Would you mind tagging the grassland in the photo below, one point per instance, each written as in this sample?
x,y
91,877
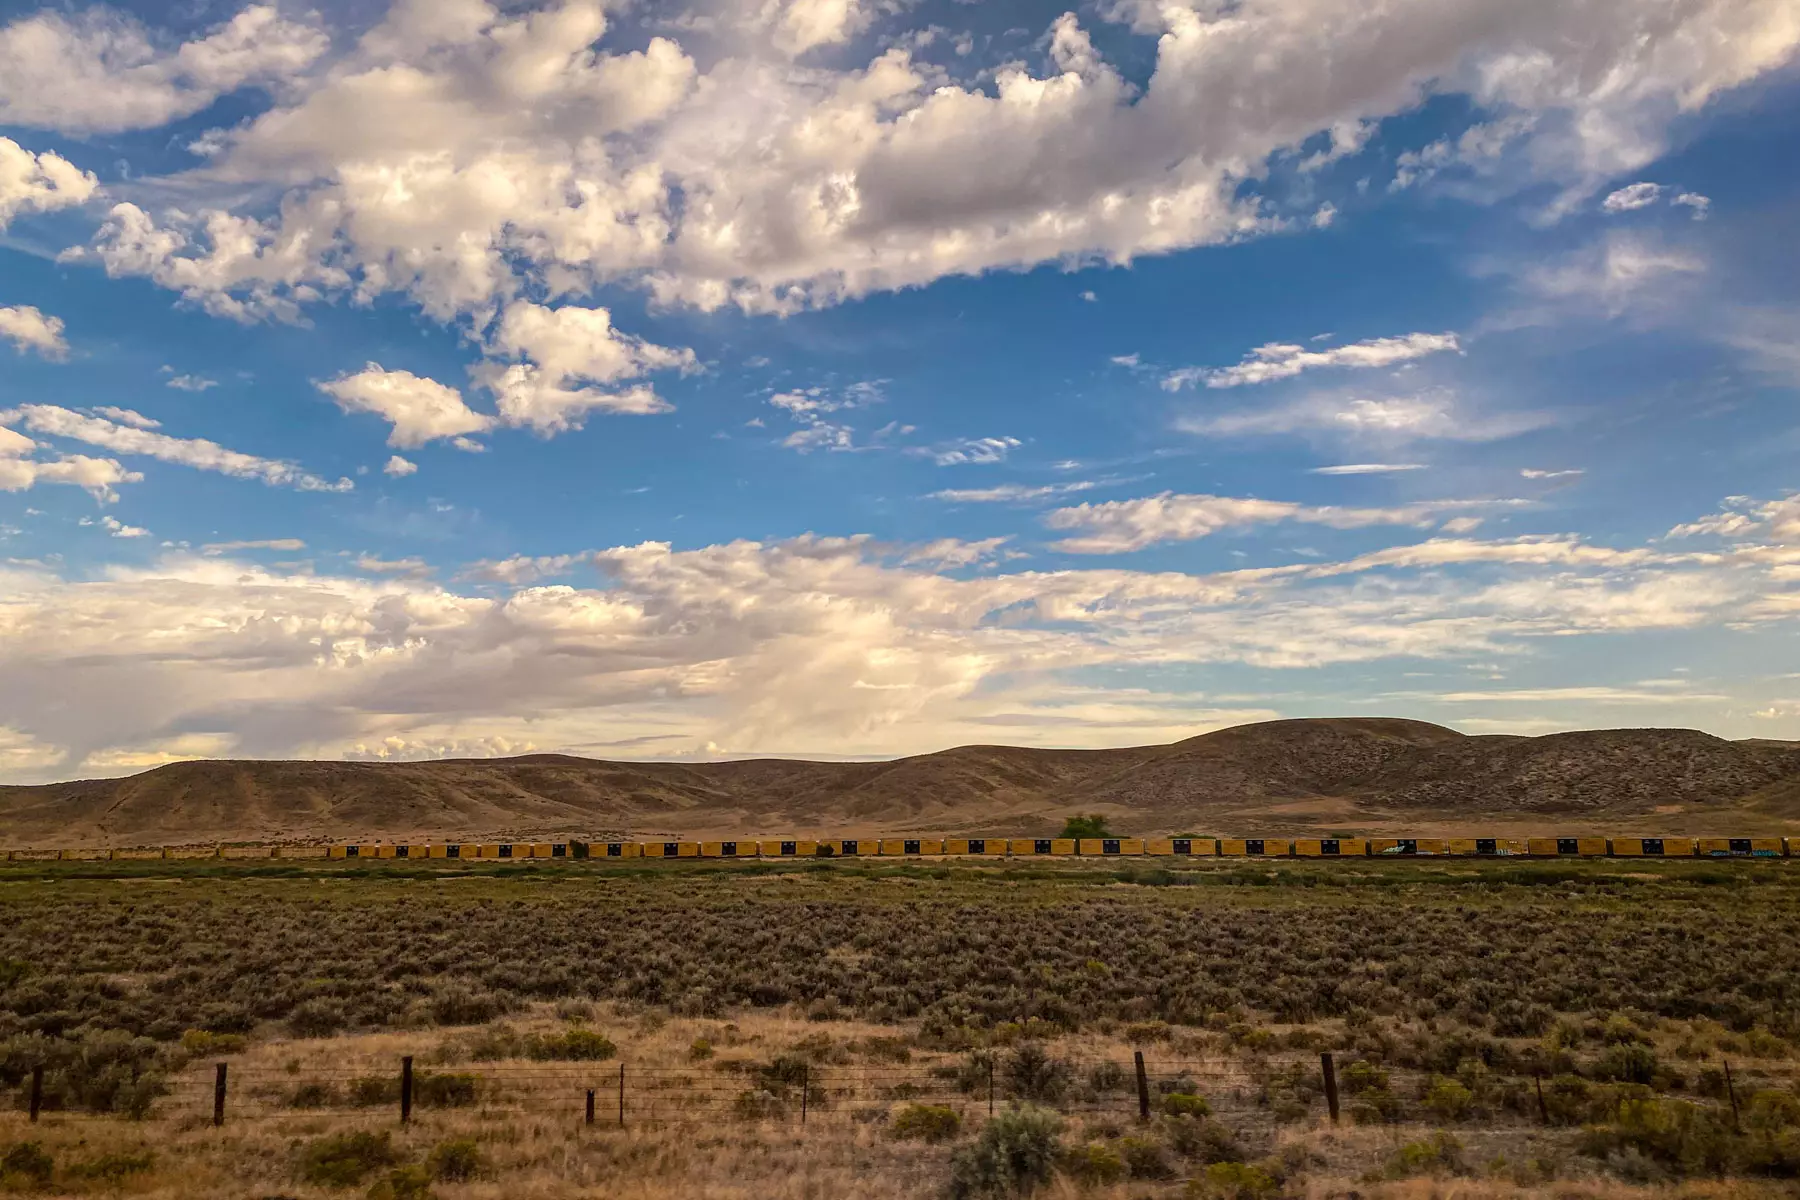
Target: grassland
x,y
1497,1028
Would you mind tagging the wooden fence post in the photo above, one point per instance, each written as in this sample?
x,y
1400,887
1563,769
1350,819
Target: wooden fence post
x,y
37,1091
219,1096
621,1095
1543,1108
590,1106
805,1087
1731,1091
406,1089
1329,1069
1143,1082
990,1066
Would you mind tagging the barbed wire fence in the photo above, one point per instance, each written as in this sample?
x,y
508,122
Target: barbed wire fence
x,y
619,1094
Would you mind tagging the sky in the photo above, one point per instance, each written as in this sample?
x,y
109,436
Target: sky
x,y
856,378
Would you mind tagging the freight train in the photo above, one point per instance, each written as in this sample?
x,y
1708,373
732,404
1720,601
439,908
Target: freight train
x,y
960,847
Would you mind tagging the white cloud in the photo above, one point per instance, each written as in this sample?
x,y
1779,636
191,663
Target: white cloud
x,y
1282,360
400,566
1744,517
115,527
189,383
563,351
1536,473
102,72
39,182
975,451
397,466
126,416
1012,493
1614,275
419,409
472,156
28,329
1118,526
54,421
1632,197
1694,200
288,545
97,476
1374,421
1367,469
832,645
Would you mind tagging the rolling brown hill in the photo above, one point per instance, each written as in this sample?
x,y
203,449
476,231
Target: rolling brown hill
x,y
1366,774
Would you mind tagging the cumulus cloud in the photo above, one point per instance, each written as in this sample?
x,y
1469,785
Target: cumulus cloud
x,y
39,182
561,352
188,383
97,476
1118,526
1282,360
28,329
397,466
1743,517
1694,200
1632,197
419,409
126,416
101,71
54,421
115,527
815,644
469,156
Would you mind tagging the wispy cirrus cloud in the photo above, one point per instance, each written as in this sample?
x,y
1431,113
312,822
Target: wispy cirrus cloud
x,y
1284,360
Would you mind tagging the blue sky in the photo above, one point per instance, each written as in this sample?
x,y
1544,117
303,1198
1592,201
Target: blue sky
x,y
834,378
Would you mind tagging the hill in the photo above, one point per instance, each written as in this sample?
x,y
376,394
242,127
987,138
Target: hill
x,y
1367,774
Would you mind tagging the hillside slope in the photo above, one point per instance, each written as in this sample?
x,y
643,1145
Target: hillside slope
x,y
1276,776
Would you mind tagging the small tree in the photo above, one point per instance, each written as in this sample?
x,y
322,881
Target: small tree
x,y
1091,826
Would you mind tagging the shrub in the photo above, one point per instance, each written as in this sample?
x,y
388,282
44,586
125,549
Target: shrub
x,y
1106,1077
403,1183
110,1168
1448,1100
1203,1141
1681,1137
700,1051
758,1104
1093,825
456,1161
1627,1062
925,1123
1360,1077
1094,1164
371,1091
312,1095
346,1159
316,1018
1234,1181
1185,1104
1014,1155
1145,1158
1032,1074
460,1004
1438,1154
29,1163
203,1043
433,1089
577,1045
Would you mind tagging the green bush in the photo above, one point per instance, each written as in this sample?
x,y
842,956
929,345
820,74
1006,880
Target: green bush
x,y
29,1163
456,1161
1627,1062
1014,1155
1439,1154
1092,825
433,1089
203,1043
312,1095
1185,1104
1683,1138
1361,1076
1203,1141
1092,1164
403,1183
1032,1074
346,1159
370,1091
1146,1158
1234,1181
925,1123
1448,1100
577,1045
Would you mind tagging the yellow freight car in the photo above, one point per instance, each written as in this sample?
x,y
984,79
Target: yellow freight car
x,y
790,848
727,849
1040,846
497,850
1268,847
1330,847
1580,847
33,855
191,852
1197,846
1106,847
855,847
912,846
456,850
247,852
1740,848
294,852
137,854
671,849
988,847
615,850
1391,847
83,854
1652,847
